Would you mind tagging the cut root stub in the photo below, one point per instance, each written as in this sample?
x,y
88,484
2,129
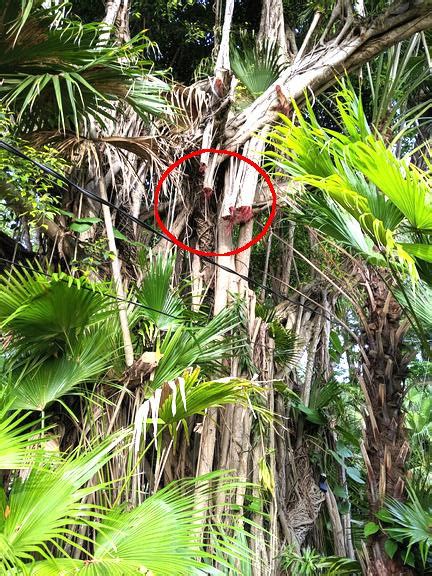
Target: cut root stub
x,y
208,192
239,215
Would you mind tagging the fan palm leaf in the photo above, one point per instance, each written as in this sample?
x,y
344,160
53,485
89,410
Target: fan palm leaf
x,y
394,78
164,536
44,310
388,197
326,215
165,307
404,185
44,380
61,72
410,523
63,335
256,66
18,442
40,509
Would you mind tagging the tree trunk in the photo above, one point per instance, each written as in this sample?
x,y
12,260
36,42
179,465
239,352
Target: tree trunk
x,y
383,372
272,26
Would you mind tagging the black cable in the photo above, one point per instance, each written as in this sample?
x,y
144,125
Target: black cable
x,y
93,196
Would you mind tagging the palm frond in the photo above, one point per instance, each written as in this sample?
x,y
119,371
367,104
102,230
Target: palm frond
x,y
256,66
417,302
406,186
41,381
326,215
49,309
410,524
18,440
189,395
165,535
57,76
394,78
206,346
156,293
40,509
388,197
287,350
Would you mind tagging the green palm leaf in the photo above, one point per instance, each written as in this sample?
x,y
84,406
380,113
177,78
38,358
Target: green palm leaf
x,y
188,396
164,535
388,198
405,186
58,72
155,292
257,67
410,523
41,508
326,215
63,335
418,302
204,346
47,310
45,380
18,441
422,251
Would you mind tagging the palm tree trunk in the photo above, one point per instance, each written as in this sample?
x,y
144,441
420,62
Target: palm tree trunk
x,y
383,372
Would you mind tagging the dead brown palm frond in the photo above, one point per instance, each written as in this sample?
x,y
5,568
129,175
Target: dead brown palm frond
x,y
146,147
191,103
153,153
76,148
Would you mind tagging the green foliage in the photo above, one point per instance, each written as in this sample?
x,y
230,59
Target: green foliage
x,y
286,351
418,303
190,395
198,395
155,292
182,29
57,72
312,563
44,380
24,189
63,513
50,312
399,79
286,344
165,327
60,337
370,528
358,175
409,524
17,440
42,514
204,345
257,67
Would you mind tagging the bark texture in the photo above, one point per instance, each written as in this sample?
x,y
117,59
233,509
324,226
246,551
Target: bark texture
x,y
383,373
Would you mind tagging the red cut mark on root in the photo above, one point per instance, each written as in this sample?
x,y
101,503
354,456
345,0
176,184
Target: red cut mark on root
x,y
208,192
239,215
202,168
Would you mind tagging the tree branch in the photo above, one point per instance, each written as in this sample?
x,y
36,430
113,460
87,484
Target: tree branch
x,y
321,66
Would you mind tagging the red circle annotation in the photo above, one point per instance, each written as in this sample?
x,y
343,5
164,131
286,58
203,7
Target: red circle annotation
x,y
249,244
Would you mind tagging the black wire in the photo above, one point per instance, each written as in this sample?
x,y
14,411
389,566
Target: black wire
x,y
93,196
